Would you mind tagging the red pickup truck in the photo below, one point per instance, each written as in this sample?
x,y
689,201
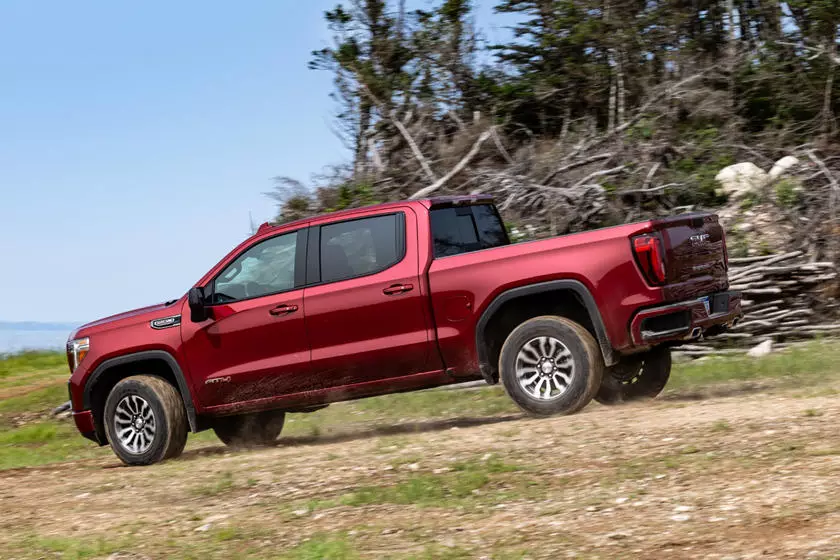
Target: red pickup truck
x,y
399,297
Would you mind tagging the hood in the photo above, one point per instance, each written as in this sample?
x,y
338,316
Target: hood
x,y
129,317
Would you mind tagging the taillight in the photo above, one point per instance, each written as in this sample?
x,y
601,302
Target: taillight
x,y
649,255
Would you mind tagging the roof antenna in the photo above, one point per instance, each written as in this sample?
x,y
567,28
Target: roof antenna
x,y
251,223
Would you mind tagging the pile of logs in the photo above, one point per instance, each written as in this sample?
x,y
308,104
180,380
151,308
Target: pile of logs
x,y
785,299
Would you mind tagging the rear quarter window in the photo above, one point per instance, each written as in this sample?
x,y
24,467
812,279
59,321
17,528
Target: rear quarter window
x,y
467,228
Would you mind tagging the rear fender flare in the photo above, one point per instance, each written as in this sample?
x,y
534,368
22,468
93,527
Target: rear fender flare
x,y
574,286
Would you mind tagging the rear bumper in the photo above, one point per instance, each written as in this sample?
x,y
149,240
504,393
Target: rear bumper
x,y
686,320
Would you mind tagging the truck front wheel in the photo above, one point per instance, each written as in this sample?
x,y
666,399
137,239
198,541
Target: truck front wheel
x,y
550,365
145,420
250,430
636,378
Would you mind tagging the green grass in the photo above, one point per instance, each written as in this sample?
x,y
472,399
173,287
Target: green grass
x,y
39,400
323,546
74,548
32,361
44,442
224,484
462,486
721,426
804,365
38,381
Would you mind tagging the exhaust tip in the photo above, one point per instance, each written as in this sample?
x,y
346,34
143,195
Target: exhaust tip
x,y
696,332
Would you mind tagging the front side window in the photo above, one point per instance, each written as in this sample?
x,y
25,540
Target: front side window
x,y
360,247
266,268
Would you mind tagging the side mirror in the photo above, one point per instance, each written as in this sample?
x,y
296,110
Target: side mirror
x,y
198,309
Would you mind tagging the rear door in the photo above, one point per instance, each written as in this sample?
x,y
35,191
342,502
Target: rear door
x,y
366,314
695,256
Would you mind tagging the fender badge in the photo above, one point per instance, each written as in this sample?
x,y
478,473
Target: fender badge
x,y
166,322
218,380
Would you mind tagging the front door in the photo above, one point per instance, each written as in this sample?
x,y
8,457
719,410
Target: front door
x,y
366,315
255,346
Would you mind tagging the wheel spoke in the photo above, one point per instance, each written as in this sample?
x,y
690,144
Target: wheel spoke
x,y
544,367
525,370
533,378
531,352
538,388
134,424
553,345
526,358
564,357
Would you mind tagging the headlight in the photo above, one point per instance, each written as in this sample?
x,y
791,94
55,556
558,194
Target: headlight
x,y
76,351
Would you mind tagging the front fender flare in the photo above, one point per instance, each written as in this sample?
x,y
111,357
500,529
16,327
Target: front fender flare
x,y
183,386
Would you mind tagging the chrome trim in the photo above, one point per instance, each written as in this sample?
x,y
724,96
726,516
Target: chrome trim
x,y
165,322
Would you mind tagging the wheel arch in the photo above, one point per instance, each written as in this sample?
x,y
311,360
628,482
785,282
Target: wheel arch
x,y
110,372
567,291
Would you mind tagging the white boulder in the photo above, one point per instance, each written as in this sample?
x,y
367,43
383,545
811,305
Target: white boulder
x,y
761,350
782,166
741,179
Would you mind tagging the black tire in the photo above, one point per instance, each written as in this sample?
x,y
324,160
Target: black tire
x,y
163,437
636,379
585,372
250,430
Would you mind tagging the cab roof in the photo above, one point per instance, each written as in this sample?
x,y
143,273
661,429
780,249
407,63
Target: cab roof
x,y
427,203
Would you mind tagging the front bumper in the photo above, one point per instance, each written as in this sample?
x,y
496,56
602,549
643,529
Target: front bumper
x,y
686,320
85,425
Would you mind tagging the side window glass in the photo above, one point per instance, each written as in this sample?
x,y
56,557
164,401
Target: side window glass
x,y
359,247
491,229
465,229
454,232
265,268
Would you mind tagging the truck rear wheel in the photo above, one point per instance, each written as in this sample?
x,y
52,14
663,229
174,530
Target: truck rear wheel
x,y
550,365
636,379
250,430
145,420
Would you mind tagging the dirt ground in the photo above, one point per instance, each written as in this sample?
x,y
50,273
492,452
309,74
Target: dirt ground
x,y
744,476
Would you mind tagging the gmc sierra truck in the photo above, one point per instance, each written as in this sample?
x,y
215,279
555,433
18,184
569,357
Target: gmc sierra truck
x,y
400,297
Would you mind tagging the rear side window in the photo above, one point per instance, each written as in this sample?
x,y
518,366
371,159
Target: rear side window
x,y
360,247
464,229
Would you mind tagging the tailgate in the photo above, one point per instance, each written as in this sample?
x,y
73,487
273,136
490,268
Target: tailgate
x,y
695,256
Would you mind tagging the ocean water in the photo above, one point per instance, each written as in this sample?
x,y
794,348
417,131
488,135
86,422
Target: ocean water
x,y
12,340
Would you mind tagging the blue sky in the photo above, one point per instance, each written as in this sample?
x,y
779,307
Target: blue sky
x,y
136,137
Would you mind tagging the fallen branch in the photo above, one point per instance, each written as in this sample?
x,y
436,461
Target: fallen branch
x,y
653,189
500,146
600,173
398,124
424,192
575,165
779,258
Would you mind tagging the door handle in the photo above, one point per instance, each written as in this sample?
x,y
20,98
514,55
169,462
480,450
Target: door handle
x,y
397,289
284,309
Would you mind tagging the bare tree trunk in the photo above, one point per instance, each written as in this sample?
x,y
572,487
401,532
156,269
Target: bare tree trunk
x,y
828,123
619,75
360,157
611,106
733,52
567,122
